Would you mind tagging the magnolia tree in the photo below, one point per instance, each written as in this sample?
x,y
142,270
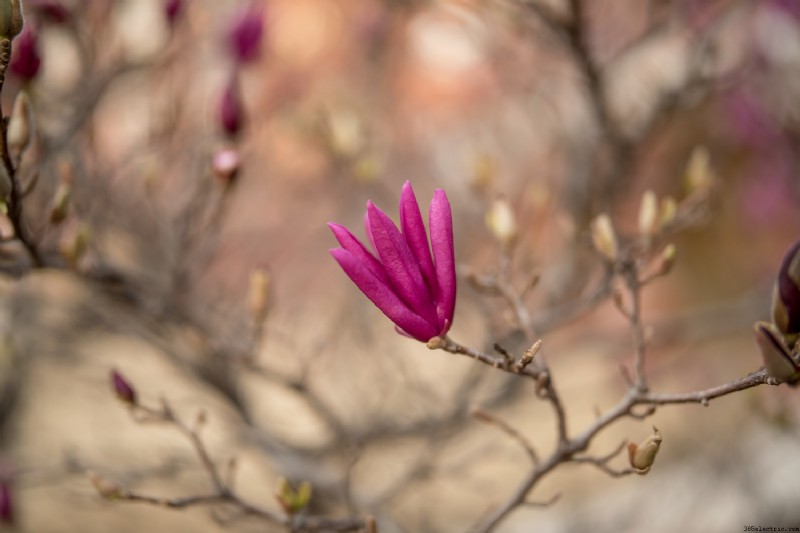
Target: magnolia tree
x,y
136,138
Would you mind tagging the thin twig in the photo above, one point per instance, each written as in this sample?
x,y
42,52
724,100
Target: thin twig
x,y
485,416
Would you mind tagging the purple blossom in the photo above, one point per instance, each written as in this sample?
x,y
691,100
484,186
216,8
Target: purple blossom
x,y
231,112
416,291
245,34
172,10
25,58
124,390
786,299
53,10
6,504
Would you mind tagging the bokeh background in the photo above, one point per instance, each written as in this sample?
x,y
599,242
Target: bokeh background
x,y
342,102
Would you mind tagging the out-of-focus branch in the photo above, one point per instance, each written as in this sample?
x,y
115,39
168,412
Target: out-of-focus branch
x,y
223,492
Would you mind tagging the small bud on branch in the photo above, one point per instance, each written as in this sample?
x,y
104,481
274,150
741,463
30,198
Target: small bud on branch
x,y
643,456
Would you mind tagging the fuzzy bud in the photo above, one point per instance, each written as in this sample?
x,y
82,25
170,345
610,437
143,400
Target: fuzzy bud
x,y
225,163
258,295
124,391
643,456
699,176
105,487
10,18
648,214
666,260
75,245
5,184
293,500
669,209
604,237
436,343
59,209
500,221
19,126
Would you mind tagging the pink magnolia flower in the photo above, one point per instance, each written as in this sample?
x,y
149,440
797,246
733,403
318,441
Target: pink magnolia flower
x,y
6,504
415,290
25,58
172,10
246,33
122,388
52,10
786,298
231,111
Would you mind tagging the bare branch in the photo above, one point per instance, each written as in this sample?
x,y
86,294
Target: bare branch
x,y
506,428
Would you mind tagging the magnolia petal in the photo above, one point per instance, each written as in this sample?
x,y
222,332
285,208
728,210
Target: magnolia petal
x,y
786,302
369,229
400,265
414,232
777,360
354,246
382,296
444,258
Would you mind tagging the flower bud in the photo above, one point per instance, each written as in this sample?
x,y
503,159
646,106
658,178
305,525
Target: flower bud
x,y
258,295
74,246
436,343
500,221
604,237
699,176
25,58
666,260
19,126
124,391
225,164
669,209
786,295
231,111
777,357
5,184
245,35
484,172
6,503
59,209
52,10
293,500
105,487
643,456
648,214
172,10
10,18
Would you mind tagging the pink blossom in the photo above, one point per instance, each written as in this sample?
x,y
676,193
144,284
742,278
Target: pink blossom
x,y
415,290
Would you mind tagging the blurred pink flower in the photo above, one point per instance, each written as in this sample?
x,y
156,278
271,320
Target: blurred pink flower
x,y
53,10
416,291
786,307
25,58
231,111
6,504
246,33
225,164
173,10
124,390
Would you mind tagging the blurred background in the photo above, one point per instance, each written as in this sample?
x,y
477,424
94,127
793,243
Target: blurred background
x,y
182,146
